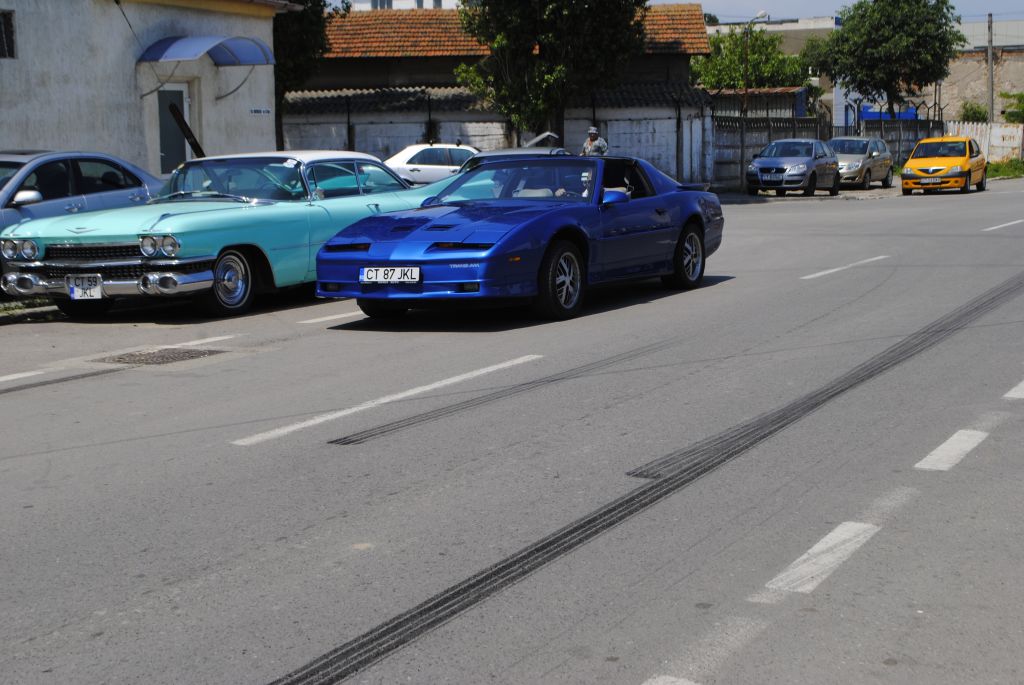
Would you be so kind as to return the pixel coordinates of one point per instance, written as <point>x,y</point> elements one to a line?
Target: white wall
<point>75,83</point>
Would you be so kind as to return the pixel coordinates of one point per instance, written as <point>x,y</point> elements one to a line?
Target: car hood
<point>780,161</point>
<point>125,222</point>
<point>846,159</point>
<point>476,222</point>
<point>935,162</point>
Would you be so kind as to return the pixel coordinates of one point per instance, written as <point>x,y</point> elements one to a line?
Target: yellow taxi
<point>944,163</point>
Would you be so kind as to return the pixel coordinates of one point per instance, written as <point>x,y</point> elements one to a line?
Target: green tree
<point>972,111</point>
<point>749,58</point>
<point>887,50</point>
<point>544,52</point>
<point>1014,113</point>
<point>710,19</point>
<point>300,41</point>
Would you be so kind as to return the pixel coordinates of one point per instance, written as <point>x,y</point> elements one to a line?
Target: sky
<point>742,10</point>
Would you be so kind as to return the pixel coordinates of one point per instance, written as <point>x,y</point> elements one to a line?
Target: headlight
<point>149,245</point>
<point>170,245</point>
<point>954,169</point>
<point>853,166</point>
<point>9,249</point>
<point>907,171</point>
<point>751,168</point>
<point>29,249</point>
<point>797,168</point>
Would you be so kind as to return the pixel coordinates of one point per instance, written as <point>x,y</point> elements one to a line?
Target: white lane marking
<point>818,563</point>
<point>843,268</point>
<point>668,680</point>
<point>323,418</point>
<point>16,376</point>
<point>1016,394</point>
<point>948,454</point>
<point>204,341</point>
<point>332,317</point>
<point>703,658</point>
<point>996,228</point>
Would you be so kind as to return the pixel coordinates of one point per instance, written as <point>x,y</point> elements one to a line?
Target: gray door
<point>172,140</point>
<point>106,185</point>
<point>53,180</point>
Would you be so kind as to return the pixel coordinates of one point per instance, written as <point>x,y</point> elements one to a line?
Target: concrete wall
<point>999,142</point>
<point>75,83</point>
<point>968,81</point>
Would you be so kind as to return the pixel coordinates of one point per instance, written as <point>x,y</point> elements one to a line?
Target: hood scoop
<point>440,227</point>
<point>402,229</point>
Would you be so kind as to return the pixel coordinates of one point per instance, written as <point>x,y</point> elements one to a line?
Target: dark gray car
<point>863,160</point>
<point>36,184</point>
<point>804,164</point>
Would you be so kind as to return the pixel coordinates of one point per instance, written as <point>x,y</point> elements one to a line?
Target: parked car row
<point>537,225</point>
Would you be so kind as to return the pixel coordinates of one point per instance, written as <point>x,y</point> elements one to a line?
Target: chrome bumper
<point>157,283</point>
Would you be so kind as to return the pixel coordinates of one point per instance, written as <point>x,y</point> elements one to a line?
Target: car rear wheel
<point>232,291</point>
<point>688,260</point>
<point>560,282</point>
<point>382,309</point>
<point>834,190</point>
<point>812,185</point>
<point>983,183</point>
<point>83,309</point>
<point>865,183</point>
<point>887,181</point>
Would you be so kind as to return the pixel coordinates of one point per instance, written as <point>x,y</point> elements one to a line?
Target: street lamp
<point>743,105</point>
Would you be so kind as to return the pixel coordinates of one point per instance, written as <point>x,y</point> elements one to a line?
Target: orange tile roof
<point>671,29</point>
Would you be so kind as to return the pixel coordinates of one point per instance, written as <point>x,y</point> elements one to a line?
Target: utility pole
<point>991,76</point>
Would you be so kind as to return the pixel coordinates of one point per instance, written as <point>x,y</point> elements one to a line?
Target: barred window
<point>7,35</point>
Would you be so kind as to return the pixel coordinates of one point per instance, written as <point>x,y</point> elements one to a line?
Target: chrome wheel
<point>231,280</point>
<point>693,257</point>
<point>567,280</point>
<point>688,259</point>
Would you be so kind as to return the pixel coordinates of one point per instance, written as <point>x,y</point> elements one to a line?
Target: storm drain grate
<point>167,355</point>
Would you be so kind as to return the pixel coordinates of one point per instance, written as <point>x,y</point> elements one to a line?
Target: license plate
<point>930,181</point>
<point>772,177</point>
<point>85,286</point>
<point>389,274</point>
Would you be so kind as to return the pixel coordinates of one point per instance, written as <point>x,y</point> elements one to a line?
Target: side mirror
<point>874,153</point>
<point>614,197</point>
<point>431,201</point>
<point>26,197</point>
<point>319,194</point>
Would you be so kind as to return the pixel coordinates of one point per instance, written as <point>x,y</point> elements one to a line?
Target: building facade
<point>101,75</point>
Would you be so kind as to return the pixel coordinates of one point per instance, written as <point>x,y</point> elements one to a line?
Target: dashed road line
<point>818,563</point>
<point>331,416</point>
<point>332,317</point>
<point>842,268</point>
<point>948,454</point>
<point>706,656</point>
<point>18,376</point>
<point>668,680</point>
<point>204,341</point>
<point>1016,394</point>
<point>996,228</point>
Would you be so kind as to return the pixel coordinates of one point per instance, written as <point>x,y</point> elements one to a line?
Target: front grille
<point>117,272</point>
<point>92,251</point>
<point>773,170</point>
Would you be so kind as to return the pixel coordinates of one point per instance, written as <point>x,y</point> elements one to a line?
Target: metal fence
<point>900,135</point>
<point>738,138</point>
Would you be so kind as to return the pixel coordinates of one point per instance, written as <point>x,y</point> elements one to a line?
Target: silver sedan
<point>804,164</point>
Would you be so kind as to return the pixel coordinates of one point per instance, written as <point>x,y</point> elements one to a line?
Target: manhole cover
<point>168,355</point>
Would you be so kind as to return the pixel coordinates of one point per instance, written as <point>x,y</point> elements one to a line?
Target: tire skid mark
<point>63,379</point>
<point>670,473</point>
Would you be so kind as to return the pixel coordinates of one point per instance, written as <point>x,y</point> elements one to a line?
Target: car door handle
<point>135,197</point>
<point>373,207</point>
<point>72,208</point>
<point>414,171</point>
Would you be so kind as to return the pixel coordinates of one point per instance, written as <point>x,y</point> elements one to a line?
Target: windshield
<point>569,180</point>
<point>849,146</point>
<point>246,178</point>
<point>949,148</point>
<point>7,170</point>
<point>788,149</point>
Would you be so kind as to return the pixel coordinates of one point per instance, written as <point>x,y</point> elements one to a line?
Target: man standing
<point>594,144</point>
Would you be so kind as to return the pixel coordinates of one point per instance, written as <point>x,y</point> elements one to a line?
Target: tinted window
<point>99,176</point>
<point>335,179</point>
<point>568,181</point>
<point>374,179</point>
<point>848,146</point>
<point>250,177</point>
<point>433,156</point>
<point>459,155</point>
<point>787,149</point>
<point>7,171</point>
<point>52,180</point>
<point>940,149</point>
<point>974,149</point>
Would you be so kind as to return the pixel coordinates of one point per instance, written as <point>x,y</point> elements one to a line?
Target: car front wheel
<point>812,185</point>
<point>865,184</point>
<point>688,260</point>
<point>834,190</point>
<point>983,183</point>
<point>560,282</point>
<point>232,291</point>
<point>887,181</point>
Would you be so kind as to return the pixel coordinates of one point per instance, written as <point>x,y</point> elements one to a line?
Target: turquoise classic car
<point>223,229</point>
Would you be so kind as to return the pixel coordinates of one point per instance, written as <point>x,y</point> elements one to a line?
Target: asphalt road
<point>806,471</point>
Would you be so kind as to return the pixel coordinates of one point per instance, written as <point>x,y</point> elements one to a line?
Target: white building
<point>100,75</point>
<point>359,5</point>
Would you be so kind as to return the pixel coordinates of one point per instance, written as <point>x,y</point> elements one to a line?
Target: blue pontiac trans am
<point>539,228</point>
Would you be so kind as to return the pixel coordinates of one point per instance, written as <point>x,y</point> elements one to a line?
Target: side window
<point>431,156</point>
<point>374,179</point>
<point>335,179</point>
<point>974,149</point>
<point>819,151</point>
<point>459,155</point>
<point>638,184</point>
<point>100,176</point>
<point>52,180</point>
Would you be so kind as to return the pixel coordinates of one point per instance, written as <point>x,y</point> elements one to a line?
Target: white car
<point>428,163</point>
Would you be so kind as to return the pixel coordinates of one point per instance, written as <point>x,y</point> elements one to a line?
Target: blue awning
<point>224,51</point>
